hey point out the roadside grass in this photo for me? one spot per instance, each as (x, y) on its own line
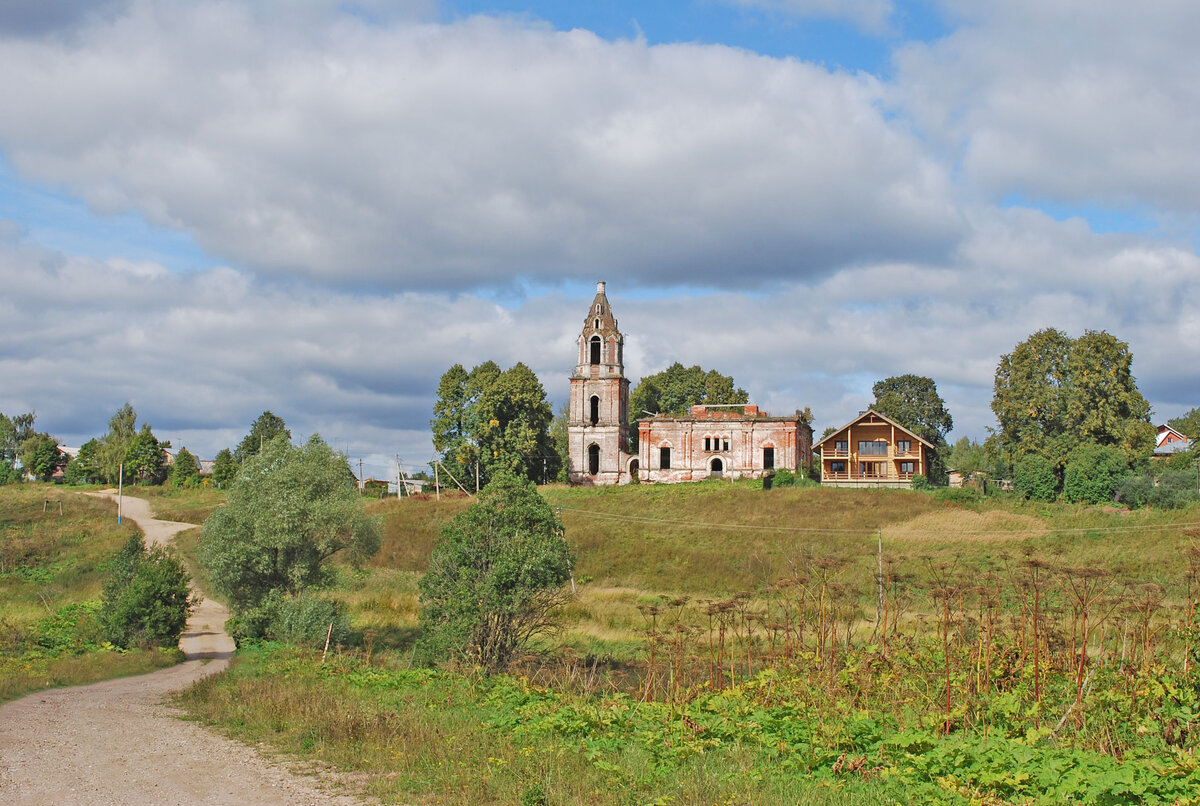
(52, 567)
(180, 504)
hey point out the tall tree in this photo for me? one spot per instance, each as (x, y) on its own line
(144, 459)
(498, 419)
(263, 430)
(41, 457)
(1054, 393)
(676, 389)
(224, 469)
(122, 428)
(85, 467)
(185, 472)
(914, 402)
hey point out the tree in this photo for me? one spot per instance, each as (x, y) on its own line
(496, 576)
(1034, 477)
(1093, 473)
(122, 428)
(41, 457)
(967, 457)
(186, 470)
(266, 428)
(147, 599)
(144, 459)
(1054, 393)
(85, 467)
(1188, 424)
(560, 436)
(913, 402)
(676, 389)
(224, 468)
(289, 510)
(496, 420)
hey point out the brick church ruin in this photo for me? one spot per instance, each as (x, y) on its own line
(713, 441)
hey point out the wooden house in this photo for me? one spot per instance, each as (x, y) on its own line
(872, 451)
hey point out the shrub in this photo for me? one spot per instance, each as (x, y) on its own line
(785, 478)
(1093, 472)
(920, 482)
(302, 620)
(495, 577)
(1135, 490)
(1034, 478)
(146, 599)
(1175, 489)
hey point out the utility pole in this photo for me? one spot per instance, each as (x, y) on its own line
(437, 485)
(361, 485)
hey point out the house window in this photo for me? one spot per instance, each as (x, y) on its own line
(595, 409)
(842, 447)
(907, 467)
(870, 470)
(903, 446)
(597, 325)
(593, 459)
(595, 349)
(837, 467)
(725, 442)
(708, 443)
(872, 448)
(664, 458)
(768, 458)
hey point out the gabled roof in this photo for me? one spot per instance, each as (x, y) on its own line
(1165, 430)
(885, 418)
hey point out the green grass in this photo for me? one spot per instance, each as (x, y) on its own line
(868, 722)
(52, 567)
(180, 504)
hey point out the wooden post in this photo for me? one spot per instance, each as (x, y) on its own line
(437, 487)
(328, 635)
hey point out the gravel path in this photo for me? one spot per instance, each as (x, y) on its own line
(117, 742)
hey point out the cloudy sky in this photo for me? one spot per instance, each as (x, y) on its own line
(211, 209)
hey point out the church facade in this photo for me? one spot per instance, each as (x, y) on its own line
(713, 441)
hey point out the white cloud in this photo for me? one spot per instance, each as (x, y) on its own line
(872, 16)
(1081, 103)
(448, 156)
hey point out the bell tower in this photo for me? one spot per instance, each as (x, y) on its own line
(598, 419)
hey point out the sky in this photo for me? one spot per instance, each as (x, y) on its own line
(213, 209)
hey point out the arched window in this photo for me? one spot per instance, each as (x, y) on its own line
(595, 409)
(633, 469)
(593, 459)
(597, 324)
(595, 349)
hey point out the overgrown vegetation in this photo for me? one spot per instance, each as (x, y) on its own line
(146, 599)
(993, 651)
(52, 568)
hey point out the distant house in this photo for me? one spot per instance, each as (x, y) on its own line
(872, 451)
(1170, 442)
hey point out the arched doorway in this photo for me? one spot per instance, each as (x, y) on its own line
(717, 467)
(633, 469)
(594, 459)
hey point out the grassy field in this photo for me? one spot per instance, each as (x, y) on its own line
(51, 568)
(726, 646)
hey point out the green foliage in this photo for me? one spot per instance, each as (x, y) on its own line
(85, 467)
(13, 432)
(225, 468)
(290, 510)
(499, 419)
(1034, 478)
(1093, 472)
(920, 482)
(301, 620)
(41, 457)
(968, 457)
(146, 599)
(1174, 489)
(185, 472)
(495, 577)
(1187, 424)
(267, 427)
(914, 402)
(145, 462)
(1053, 393)
(676, 389)
(122, 428)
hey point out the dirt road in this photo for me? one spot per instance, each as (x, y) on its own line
(117, 743)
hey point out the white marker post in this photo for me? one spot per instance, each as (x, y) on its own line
(120, 489)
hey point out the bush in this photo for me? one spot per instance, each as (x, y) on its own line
(1092, 474)
(785, 478)
(920, 482)
(495, 577)
(146, 600)
(1135, 490)
(302, 620)
(1034, 478)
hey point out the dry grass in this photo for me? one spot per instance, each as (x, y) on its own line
(966, 526)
